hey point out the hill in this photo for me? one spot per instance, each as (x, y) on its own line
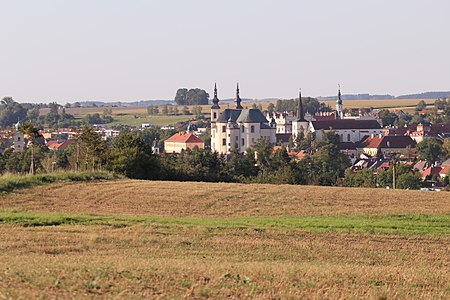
(153, 239)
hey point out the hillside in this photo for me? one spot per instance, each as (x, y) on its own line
(153, 239)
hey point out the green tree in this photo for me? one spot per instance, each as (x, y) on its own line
(181, 96)
(430, 150)
(131, 156)
(421, 105)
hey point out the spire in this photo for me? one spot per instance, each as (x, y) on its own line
(238, 99)
(339, 112)
(300, 114)
(215, 100)
(339, 100)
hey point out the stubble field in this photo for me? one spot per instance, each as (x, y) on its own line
(150, 239)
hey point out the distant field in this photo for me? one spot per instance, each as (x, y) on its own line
(402, 103)
(153, 239)
(135, 116)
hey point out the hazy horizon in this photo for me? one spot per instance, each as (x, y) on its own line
(114, 50)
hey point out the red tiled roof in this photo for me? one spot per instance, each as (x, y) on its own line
(59, 146)
(389, 141)
(432, 171)
(298, 155)
(445, 171)
(184, 137)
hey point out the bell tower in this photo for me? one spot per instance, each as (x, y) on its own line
(300, 124)
(215, 108)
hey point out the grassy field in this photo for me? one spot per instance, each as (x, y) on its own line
(151, 239)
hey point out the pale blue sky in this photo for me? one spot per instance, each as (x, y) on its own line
(72, 50)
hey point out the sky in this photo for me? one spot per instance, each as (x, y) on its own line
(127, 50)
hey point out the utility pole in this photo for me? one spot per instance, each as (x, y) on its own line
(393, 175)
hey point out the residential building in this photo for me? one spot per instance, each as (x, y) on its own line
(387, 145)
(182, 141)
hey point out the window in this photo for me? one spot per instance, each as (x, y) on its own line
(18, 138)
(224, 142)
(215, 115)
(243, 128)
(348, 137)
(341, 137)
(224, 128)
(243, 142)
(252, 129)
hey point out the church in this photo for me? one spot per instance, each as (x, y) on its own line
(349, 129)
(238, 128)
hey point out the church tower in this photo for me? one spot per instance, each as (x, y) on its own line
(215, 108)
(300, 124)
(238, 99)
(339, 109)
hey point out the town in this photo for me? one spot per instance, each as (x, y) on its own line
(289, 141)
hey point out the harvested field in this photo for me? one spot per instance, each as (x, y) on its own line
(152, 239)
(197, 199)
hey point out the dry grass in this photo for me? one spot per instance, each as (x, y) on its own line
(175, 260)
(181, 199)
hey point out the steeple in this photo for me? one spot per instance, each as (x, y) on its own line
(339, 100)
(339, 110)
(215, 100)
(238, 99)
(300, 114)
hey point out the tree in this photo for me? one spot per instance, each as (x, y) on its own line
(271, 108)
(387, 117)
(92, 146)
(191, 97)
(446, 147)
(165, 110)
(430, 150)
(131, 156)
(181, 96)
(32, 132)
(409, 181)
(11, 112)
(421, 105)
(197, 110)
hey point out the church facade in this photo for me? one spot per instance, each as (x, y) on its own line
(238, 128)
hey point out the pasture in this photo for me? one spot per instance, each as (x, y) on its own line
(152, 239)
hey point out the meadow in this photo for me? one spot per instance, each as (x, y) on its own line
(152, 239)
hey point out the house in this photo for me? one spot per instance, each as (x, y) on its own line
(55, 145)
(238, 128)
(182, 141)
(425, 130)
(387, 145)
(433, 171)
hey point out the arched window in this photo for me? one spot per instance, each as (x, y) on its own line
(348, 137)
